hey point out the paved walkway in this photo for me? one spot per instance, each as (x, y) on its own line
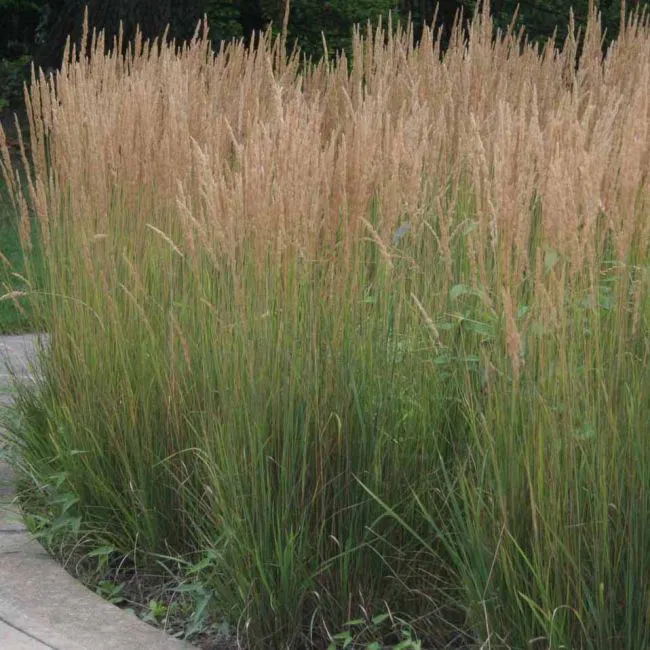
(42, 606)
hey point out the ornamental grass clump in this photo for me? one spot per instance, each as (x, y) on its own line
(344, 340)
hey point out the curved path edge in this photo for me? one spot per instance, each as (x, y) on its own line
(42, 606)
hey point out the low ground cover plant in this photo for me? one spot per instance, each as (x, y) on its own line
(358, 355)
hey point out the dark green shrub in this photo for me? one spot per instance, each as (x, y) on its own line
(13, 74)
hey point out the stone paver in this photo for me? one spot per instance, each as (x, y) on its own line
(18, 354)
(12, 639)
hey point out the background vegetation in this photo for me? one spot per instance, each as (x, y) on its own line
(16, 311)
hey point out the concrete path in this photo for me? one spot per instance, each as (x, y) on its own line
(42, 606)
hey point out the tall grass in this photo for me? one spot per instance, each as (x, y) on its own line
(354, 342)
